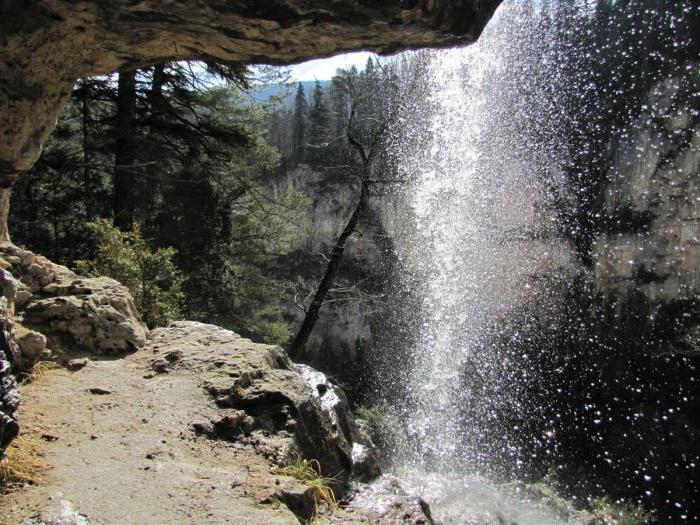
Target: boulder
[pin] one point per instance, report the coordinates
(346, 431)
(94, 315)
(31, 345)
(264, 399)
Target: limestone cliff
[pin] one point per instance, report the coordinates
(655, 189)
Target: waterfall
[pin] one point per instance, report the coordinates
(509, 191)
(475, 200)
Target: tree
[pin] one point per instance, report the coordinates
(373, 108)
(196, 150)
(318, 127)
(124, 150)
(299, 126)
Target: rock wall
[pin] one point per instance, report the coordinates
(655, 188)
(9, 395)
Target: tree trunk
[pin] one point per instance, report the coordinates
(314, 310)
(5, 214)
(124, 152)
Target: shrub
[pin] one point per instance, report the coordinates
(620, 513)
(385, 427)
(151, 276)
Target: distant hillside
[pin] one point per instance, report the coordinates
(287, 91)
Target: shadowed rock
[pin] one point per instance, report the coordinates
(9, 396)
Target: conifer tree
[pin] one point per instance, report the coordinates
(318, 127)
(299, 126)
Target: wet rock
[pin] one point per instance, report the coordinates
(334, 403)
(364, 463)
(95, 315)
(384, 501)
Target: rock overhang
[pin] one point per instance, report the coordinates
(46, 45)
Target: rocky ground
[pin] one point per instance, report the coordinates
(186, 424)
(141, 439)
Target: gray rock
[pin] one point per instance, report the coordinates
(384, 501)
(77, 364)
(95, 315)
(31, 348)
(334, 403)
(260, 393)
(298, 498)
(61, 512)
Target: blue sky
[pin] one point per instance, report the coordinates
(324, 68)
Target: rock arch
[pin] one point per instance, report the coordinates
(46, 45)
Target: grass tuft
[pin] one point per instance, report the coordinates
(309, 473)
(38, 371)
(23, 462)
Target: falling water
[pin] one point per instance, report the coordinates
(474, 202)
(482, 248)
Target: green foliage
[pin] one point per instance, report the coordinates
(385, 428)
(150, 275)
(620, 513)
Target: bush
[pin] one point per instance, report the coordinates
(385, 428)
(151, 276)
(620, 513)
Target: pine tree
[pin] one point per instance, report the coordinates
(299, 126)
(318, 127)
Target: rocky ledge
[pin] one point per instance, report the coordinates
(66, 312)
(264, 399)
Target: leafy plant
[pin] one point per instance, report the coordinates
(384, 427)
(151, 276)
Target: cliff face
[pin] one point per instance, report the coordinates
(655, 186)
(346, 327)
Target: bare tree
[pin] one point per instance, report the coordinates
(374, 106)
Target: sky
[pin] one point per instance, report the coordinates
(324, 68)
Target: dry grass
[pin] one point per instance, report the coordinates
(309, 473)
(39, 371)
(24, 462)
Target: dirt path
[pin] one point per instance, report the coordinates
(130, 456)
